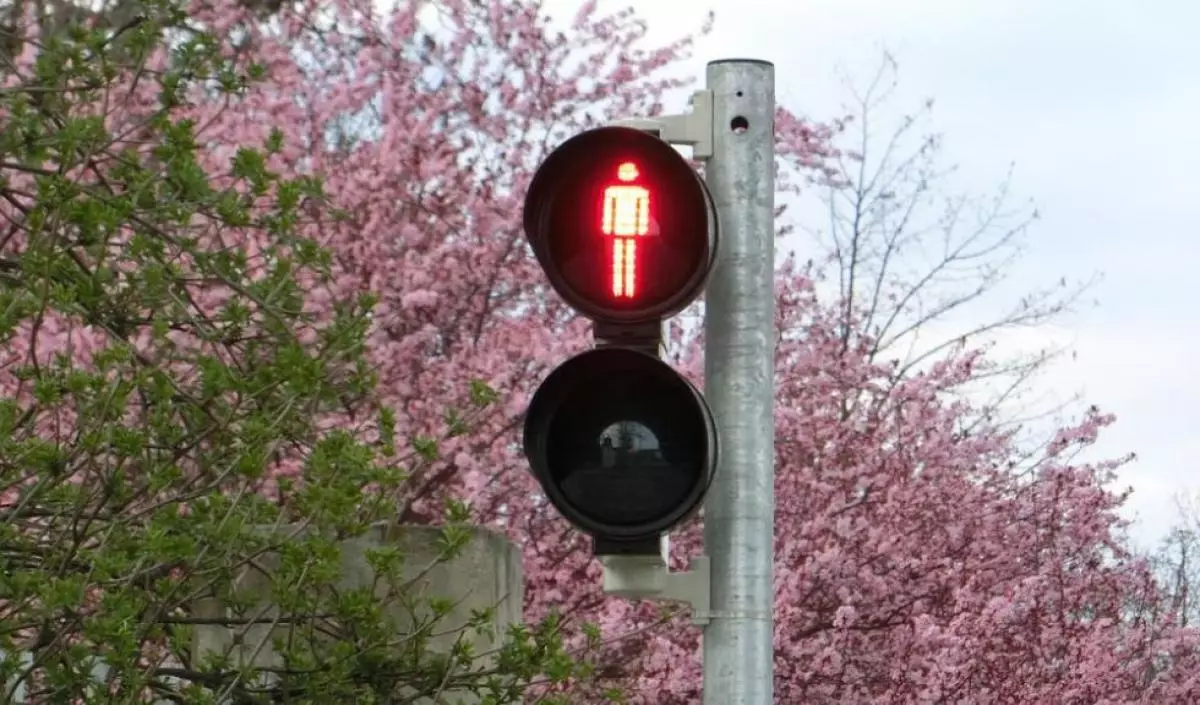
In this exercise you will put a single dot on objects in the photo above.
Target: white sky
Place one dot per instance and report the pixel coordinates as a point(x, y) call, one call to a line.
point(1097, 104)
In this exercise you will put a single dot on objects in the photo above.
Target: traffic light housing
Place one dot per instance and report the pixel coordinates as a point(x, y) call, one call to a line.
point(622, 444)
point(622, 225)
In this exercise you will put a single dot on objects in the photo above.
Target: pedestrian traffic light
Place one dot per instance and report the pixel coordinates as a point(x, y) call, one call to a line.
point(622, 225)
point(623, 445)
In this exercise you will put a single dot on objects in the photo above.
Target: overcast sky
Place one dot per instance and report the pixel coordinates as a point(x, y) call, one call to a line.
point(1097, 103)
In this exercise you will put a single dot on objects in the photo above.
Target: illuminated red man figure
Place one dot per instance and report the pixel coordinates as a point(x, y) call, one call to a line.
point(626, 218)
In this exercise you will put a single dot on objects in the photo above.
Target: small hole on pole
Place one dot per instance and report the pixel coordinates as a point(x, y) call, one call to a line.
point(739, 125)
point(739, 94)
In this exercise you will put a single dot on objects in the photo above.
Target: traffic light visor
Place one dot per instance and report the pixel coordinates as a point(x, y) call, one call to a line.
point(622, 225)
point(623, 446)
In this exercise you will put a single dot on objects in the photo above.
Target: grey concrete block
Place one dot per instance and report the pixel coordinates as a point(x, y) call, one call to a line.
point(487, 574)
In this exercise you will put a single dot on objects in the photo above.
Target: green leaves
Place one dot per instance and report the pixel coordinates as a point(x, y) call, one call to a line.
point(193, 450)
point(482, 395)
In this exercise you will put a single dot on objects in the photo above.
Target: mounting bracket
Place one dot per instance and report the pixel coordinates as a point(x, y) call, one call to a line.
point(694, 128)
point(648, 578)
point(645, 336)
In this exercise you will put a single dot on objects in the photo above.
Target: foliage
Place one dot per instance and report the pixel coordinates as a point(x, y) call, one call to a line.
point(187, 403)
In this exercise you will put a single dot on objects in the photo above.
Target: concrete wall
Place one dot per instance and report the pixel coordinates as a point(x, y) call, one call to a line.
point(487, 574)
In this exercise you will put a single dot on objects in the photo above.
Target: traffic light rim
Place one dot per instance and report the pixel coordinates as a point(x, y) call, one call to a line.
point(550, 396)
point(546, 184)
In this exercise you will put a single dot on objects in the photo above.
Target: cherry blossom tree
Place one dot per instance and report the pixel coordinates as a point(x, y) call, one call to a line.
point(914, 563)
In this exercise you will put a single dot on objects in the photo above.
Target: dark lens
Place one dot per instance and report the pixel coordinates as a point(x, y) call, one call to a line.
point(627, 449)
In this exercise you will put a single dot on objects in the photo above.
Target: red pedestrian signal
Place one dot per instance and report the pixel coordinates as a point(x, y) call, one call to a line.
point(625, 215)
point(622, 225)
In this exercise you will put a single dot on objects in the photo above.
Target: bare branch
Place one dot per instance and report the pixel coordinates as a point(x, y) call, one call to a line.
point(919, 266)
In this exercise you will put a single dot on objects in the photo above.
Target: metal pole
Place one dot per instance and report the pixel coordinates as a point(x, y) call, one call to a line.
point(739, 323)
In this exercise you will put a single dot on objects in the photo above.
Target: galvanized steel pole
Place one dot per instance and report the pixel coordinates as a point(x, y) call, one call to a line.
point(739, 514)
